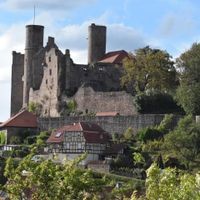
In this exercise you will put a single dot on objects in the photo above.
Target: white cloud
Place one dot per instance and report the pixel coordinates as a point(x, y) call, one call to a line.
point(5, 101)
point(44, 4)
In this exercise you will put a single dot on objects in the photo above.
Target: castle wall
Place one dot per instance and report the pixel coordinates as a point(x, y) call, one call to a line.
point(47, 95)
point(117, 124)
point(17, 83)
point(88, 99)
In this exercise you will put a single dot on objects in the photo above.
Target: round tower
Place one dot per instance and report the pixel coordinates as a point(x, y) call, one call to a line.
point(34, 42)
point(96, 43)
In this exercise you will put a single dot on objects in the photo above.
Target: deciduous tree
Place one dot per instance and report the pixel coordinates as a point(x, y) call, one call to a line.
point(188, 93)
point(149, 69)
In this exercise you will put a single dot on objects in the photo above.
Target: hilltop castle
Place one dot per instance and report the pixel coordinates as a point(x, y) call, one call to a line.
point(49, 78)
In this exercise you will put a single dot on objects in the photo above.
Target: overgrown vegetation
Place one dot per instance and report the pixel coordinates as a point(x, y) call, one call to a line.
point(156, 102)
point(151, 155)
point(2, 137)
point(35, 108)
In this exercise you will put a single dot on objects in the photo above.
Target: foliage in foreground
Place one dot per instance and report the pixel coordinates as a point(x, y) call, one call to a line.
point(47, 180)
point(170, 184)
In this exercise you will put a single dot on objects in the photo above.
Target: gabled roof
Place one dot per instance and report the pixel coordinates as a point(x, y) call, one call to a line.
point(23, 119)
point(114, 57)
point(107, 114)
point(91, 132)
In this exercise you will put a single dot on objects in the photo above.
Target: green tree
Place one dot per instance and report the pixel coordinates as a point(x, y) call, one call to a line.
point(149, 69)
point(183, 142)
point(170, 184)
point(50, 181)
point(188, 93)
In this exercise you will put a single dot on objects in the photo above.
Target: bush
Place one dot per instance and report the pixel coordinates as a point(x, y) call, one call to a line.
point(156, 102)
point(35, 108)
point(2, 137)
point(7, 153)
point(15, 140)
point(30, 140)
point(20, 153)
point(149, 134)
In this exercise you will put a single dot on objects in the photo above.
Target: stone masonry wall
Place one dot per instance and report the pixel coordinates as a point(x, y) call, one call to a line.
point(17, 83)
point(88, 99)
point(116, 124)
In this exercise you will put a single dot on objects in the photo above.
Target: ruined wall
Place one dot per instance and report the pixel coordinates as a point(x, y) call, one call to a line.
point(17, 83)
point(100, 76)
point(87, 99)
point(47, 95)
point(116, 124)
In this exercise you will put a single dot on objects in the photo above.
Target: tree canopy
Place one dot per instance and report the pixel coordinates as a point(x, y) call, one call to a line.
point(188, 93)
point(149, 69)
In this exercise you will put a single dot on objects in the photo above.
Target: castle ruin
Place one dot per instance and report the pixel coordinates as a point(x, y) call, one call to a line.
point(48, 77)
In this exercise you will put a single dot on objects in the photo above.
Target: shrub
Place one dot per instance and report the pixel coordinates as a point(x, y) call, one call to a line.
point(2, 137)
point(15, 140)
point(35, 108)
point(128, 134)
point(149, 134)
point(156, 102)
point(30, 140)
point(20, 153)
point(7, 153)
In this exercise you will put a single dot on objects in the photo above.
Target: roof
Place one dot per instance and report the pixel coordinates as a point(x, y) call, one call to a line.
point(91, 132)
point(23, 119)
point(101, 114)
point(114, 57)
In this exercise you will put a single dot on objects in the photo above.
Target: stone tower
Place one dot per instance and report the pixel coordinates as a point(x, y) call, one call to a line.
point(96, 43)
point(34, 42)
point(17, 83)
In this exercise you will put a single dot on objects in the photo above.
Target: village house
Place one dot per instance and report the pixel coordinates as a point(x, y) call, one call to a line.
point(73, 140)
point(18, 124)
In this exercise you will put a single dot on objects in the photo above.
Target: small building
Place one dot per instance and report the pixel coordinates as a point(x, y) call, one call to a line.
point(18, 124)
point(107, 114)
point(73, 140)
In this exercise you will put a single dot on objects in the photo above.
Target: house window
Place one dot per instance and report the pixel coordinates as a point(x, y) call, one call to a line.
point(49, 58)
point(46, 81)
point(79, 146)
point(50, 72)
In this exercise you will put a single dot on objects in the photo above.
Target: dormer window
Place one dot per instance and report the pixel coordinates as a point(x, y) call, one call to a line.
point(58, 134)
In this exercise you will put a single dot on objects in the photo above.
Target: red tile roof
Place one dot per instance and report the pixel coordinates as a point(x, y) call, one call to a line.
point(91, 132)
point(23, 119)
point(102, 114)
point(114, 57)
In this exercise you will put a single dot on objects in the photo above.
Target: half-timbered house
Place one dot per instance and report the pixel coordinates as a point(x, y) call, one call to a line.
point(70, 141)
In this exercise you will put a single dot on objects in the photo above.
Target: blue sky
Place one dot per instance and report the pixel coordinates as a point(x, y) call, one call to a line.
point(172, 25)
